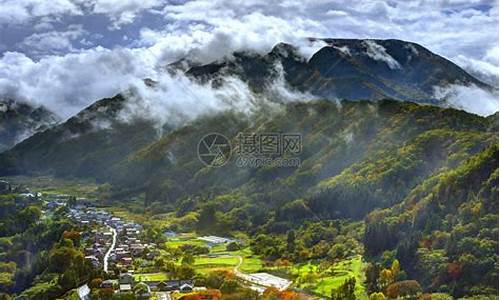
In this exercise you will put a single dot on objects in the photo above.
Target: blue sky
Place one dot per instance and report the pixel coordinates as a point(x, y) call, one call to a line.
point(66, 54)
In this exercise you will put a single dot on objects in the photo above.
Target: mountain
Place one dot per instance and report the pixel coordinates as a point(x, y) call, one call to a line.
point(84, 146)
point(19, 120)
point(347, 69)
point(407, 181)
point(422, 180)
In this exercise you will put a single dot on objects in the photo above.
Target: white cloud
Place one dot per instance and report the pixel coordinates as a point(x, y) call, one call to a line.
point(469, 98)
point(176, 99)
point(123, 12)
point(343, 49)
point(210, 29)
point(377, 52)
point(53, 41)
point(66, 84)
point(22, 11)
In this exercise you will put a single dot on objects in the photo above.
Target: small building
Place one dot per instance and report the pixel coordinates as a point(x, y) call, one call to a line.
point(169, 285)
point(93, 260)
point(126, 278)
point(83, 292)
point(124, 288)
point(5, 187)
point(126, 261)
point(186, 288)
point(142, 290)
point(107, 284)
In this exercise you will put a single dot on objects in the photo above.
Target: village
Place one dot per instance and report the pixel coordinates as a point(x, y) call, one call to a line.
point(112, 244)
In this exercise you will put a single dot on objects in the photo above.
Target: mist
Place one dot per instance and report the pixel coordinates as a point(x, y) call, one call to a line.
point(175, 99)
point(469, 98)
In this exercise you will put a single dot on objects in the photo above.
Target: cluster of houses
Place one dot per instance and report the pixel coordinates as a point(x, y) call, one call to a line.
point(127, 245)
point(113, 243)
point(143, 289)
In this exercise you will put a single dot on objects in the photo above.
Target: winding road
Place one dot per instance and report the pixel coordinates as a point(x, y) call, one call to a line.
point(113, 244)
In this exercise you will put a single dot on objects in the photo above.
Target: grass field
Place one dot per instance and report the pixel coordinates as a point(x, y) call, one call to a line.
point(323, 282)
point(150, 277)
point(179, 241)
point(51, 185)
point(224, 259)
point(205, 264)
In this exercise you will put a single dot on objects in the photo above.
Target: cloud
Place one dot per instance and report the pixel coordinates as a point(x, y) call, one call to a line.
point(220, 37)
point(53, 41)
point(123, 12)
point(377, 52)
point(175, 99)
point(469, 98)
point(17, 12)
point(66, 84)
point(67, 78)
point(344, 49)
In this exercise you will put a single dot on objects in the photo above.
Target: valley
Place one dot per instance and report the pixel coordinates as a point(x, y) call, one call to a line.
point(361, 183)
point(105, 236)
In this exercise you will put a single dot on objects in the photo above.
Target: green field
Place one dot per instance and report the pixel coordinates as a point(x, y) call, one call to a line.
point(205, 264)
point(323, 282)
point(150, 277)
point(188, 240)
point(223, 259)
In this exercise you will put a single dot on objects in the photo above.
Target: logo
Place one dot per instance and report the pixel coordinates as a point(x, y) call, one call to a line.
point(214, 150)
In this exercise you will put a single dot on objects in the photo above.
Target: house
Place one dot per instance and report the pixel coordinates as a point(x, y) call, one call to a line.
point(170, 285)
point(122, 254)
point(84, 292)
point(136, 249)
point(151, 255)
point(170, 234)
point(107, 284)
point(215, 240)
point(126, 278)
point(5, 187)
point(124, 288)
point(142, 291)
point(93, 260)
point(127, 261)
point(186, 288)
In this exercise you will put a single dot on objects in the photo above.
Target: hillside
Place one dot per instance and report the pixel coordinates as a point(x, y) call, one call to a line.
point(19, 120)
point(347, 69)
point(83, 146)
point(377, 177)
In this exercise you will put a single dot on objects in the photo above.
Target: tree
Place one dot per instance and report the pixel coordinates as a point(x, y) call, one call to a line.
point(385, 278)
point(95, 283)
point(407, 289)
point(185, 271)
point(395, 268)
point(372, 273)
point(345, 291)
point(188, 259)
point(233, 246)
point(290, 241)
point(229, 286)
point(377, 296)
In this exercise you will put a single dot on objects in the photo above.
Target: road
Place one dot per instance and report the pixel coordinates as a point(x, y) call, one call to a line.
point(113, 244)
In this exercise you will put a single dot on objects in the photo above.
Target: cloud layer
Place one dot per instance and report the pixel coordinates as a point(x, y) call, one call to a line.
point(65, 54)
